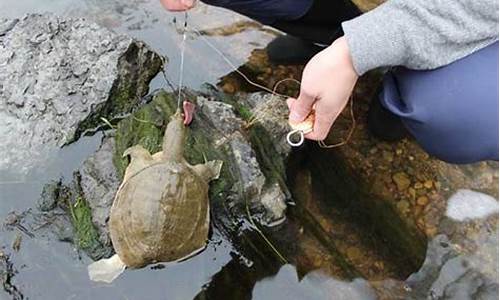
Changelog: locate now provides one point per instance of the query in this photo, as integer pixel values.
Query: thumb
(300, 108)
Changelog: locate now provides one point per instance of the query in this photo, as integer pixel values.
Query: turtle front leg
(208, 171)
(139, 159)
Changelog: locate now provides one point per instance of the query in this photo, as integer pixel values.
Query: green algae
(136, 69)
(86, 235)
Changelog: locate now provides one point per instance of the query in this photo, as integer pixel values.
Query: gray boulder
(58, 77)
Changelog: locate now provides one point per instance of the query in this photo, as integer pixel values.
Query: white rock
(467, 204)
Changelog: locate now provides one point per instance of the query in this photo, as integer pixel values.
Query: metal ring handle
(291, 134)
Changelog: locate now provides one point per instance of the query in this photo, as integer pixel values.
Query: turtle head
(173, 141)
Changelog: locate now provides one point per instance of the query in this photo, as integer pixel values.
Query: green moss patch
(86, 236)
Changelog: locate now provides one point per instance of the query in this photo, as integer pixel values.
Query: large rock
(58, 77)
(248, 183)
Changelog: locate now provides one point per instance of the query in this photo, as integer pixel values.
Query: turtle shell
(160, 214)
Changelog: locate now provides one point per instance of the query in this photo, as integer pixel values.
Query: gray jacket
(420, 34)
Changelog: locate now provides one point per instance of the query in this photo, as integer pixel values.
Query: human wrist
(342, 64)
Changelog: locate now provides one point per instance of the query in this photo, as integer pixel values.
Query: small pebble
(401, 180)
(430, 231)
(403, 206)
(353, 253)
(437, 184)
(428, 184)
(418, 185)
(412, 193)
(422, 200)
(228, 88)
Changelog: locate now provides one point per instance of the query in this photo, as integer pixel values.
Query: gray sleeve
(420, 34)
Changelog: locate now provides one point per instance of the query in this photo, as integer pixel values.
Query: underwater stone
(273, 200)
(401, 180)
(49, 195)
(58, 76)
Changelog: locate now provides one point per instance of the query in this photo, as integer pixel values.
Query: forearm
(420, 34)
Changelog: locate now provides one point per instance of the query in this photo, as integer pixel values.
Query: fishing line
(181, 72)
(257, 117)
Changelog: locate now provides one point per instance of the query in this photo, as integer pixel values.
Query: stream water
(50, 269)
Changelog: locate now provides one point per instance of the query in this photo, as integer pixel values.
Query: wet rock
(217, 132)
(273, 200)
(69, 217)
(221, 114)
(248, 171)
(401, 180)
(452, 272)
(428, 184)
(49, 196)
(270, 112)
(58, 77)
(422, 200)
(99, 182)
(7, 273)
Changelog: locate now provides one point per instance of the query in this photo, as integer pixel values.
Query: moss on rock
(86, 236)
(146, 127)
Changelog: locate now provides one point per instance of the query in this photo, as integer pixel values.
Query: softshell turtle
(161, 210)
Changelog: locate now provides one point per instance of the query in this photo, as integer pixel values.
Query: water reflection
(286, 285)
(146, 20)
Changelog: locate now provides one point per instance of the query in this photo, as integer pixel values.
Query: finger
(323, 121)
(301, 107)
(188, 3)
(173, 5)
(289, 102)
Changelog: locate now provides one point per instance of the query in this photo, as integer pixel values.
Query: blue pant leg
(452, 111)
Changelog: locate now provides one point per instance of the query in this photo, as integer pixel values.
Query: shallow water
(50, 269)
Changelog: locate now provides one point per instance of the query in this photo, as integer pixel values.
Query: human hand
(327, 82)
(178, 5)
